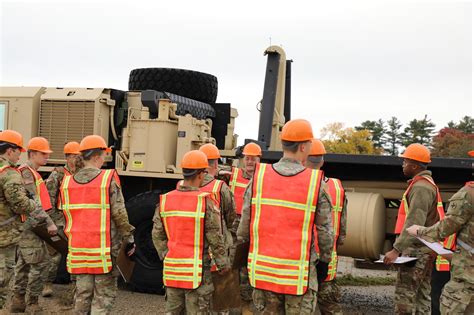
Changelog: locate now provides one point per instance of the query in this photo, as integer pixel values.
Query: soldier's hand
(52, 229)
(413, 230)
(390, 257)
(322, 269)
(224, 173)
(130, 249)
(224, 271)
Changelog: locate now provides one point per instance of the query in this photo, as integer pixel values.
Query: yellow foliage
(338, 139)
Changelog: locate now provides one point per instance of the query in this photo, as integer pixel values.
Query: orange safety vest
(182, 214)
(281, 223)
(58, 201)
(238, 183)
(337, 193)
(87, 211)
(441, 263)
(41, 190)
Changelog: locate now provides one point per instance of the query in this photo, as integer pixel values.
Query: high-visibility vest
(282, 219)
(182, 214)
(66, 173)
(337, 194)
(441, 263)
(41, 190)
(237, 184)
(214, 187)
(86, 208)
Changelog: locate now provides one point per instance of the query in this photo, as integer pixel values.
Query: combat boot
(18, 303)
(47, 290)
(33, 306)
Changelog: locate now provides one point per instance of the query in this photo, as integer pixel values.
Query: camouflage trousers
(95, 293)
(267, 302)
(457, 296)
(197, 301)
(7, 264)
(413, 287)
(245, 287)
(329, 296)
(54, 258)
(30, 266)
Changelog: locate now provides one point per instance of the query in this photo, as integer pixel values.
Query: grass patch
(347, 280)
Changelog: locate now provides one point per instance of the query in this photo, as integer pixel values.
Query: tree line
(390, 137)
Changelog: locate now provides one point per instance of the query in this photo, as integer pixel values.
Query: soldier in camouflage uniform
(294, 153)
(413, 286)
(53, 183)
(32, 260)
(194, 301)
(96, 293)
(329, 293)
(14, 201)
(458, 293)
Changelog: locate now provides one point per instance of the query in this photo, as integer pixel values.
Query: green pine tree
(418, 131)
(392, 139)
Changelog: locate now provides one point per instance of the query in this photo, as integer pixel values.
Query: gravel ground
(373, 300)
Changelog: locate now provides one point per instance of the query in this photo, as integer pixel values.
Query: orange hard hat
(297, 130)
(317, 147)
(39, 144)
(13, 137)
(72, 148)
(194, 160)
(471, 153)
(93, 142)
(252, 149)
(417, 152)
(211, 151)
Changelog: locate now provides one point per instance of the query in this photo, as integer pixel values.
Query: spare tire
(192, 84)
(147, 274)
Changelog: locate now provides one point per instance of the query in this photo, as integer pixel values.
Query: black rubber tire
(147, 274)
(192, 84)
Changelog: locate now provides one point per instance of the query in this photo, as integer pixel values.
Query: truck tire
(147, 274)
(192, 84)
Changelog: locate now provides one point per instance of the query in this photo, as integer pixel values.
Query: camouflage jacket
(212, 234)
(422, 211)
(121, 229)
(53, 183)
(323, 219)
(227, 208)
(14, 201)
(460, 220)
(343, 223)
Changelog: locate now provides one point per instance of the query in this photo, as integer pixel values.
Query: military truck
(167, 112)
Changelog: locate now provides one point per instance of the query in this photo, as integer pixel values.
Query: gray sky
(353, 61)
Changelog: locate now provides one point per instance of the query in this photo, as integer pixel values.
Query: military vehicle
(167, 112)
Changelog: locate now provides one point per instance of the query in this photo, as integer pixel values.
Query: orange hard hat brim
(22, 149)
(471, 153)
(108, 150)
(411, 158)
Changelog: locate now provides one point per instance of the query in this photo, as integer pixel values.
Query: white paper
(399, 260)
(436, 247)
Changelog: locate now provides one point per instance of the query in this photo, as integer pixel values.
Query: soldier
(73, 163)
(186, 228)
(421, 205)
(96, 226)
(14, 201)
(329, 294)
(239, 179)
(32, 259)
(282, 205)
(458, 293)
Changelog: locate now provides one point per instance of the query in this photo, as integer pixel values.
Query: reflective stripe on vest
(282, 218)
(58, 201)
(182, 214)
(337, 194)
(41, 190)
(238, 183)
(441, 263)
(87, 211)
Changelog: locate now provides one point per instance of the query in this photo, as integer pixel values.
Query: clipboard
(241, 255)
(58, 241)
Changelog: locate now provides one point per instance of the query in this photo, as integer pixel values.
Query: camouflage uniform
(13, 202)
(271, 303)
(459, 291)
(53, 183)
(32, 260)
(95, 293)
(413, 286)
(329, 293)
(197, 301)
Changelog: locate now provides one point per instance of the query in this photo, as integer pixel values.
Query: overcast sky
(353, 61)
